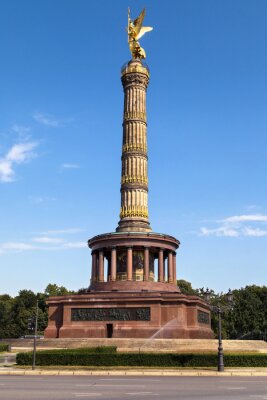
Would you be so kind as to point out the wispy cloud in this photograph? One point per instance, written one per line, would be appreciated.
(18, 246)
(237, 225)
(6, 171)
(45, 239)
(251, 207)
(22, 131)
(46, 119)
(70, 166)
(50, 120)
(18, 154)
(74, 245)
(256, 232)
(62, 231)
(41, 244)
(220, 231)
(40, 199)
(245, 218)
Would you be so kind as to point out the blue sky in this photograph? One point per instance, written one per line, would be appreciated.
(60, 136)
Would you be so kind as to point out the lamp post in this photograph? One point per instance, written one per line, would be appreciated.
(35, 336)
(219, 310)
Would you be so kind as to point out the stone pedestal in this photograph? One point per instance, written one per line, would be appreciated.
(123, 314)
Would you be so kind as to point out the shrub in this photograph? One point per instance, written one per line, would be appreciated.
(81, 357)
(3, 347)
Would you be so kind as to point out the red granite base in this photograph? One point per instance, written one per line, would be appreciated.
(171, 315)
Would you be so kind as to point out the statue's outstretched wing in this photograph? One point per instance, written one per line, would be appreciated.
(143, 30)
(139, 21)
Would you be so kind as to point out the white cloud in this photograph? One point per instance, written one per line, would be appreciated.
(236, 226)
(44, 244)
(45, 239)
(70, 166)
(221, 231)
(22, 131)
(251, 207)
(46, 119)
(16, 246)
(75, 245)
(245, 218)
(21, 152)
(40, 199)
(6, 171)
(62, 231)
(18, 154)
(255, 232)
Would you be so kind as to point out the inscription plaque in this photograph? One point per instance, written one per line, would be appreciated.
(111, 314)
(203, 317)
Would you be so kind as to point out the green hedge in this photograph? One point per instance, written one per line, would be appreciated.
(3, 347)
(94, 350)
(83, 358)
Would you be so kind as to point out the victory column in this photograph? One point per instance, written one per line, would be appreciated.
(133, 291)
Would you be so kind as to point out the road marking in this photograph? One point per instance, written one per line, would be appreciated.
(242, 381)
(232, 388)
(127, 379)
(258, 396)
(96, 385)
(141, 393)
(137, 386)
(86, 394)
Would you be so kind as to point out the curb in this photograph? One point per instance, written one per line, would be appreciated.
(132, 373)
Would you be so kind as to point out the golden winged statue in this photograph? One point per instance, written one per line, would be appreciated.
(135, 32)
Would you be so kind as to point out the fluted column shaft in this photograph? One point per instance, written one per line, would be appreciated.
(134, 178)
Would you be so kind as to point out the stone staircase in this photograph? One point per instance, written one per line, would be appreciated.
(144, 345)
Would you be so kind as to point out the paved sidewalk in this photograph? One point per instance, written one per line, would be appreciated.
(135, 372)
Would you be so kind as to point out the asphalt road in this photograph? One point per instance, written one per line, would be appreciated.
(119, 387)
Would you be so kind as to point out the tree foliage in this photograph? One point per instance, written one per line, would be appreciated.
(186, 287)
(15, 311)
(245, 319)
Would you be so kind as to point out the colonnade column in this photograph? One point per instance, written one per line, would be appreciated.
(146, 264)
(174, 269)
(113, 264)
(94, 263)
(170, 267)
(129, 264)
(98, 274)
(161, 266)
(101, 266)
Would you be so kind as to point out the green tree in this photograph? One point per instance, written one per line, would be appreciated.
(54, 290)
(186, 287)
(14, 312)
